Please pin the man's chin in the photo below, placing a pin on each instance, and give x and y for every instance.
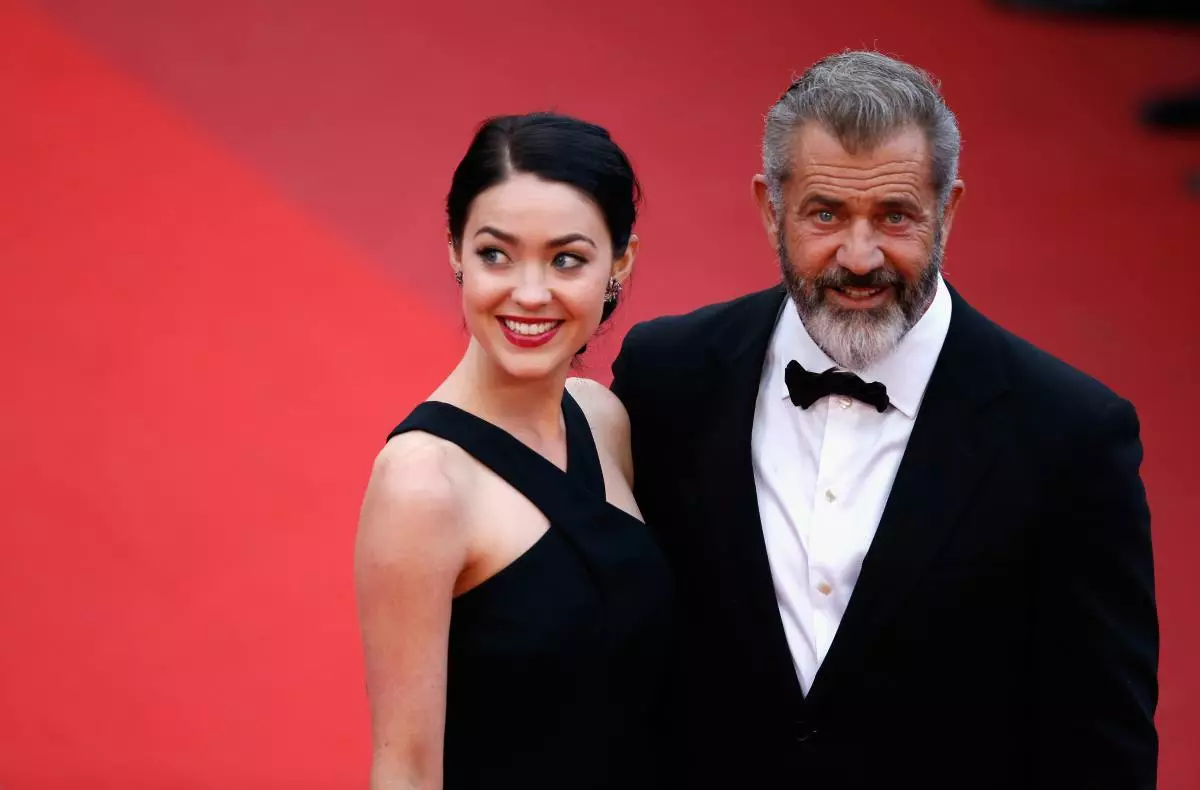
(862, 318)
(855, 339)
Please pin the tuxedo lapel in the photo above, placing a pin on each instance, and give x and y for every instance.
(950, 447)
(725, 480)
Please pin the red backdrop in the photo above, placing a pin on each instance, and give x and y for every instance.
(224, 280)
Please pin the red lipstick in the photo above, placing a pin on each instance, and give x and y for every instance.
(524, 340)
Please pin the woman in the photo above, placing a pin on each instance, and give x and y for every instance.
(516, 615)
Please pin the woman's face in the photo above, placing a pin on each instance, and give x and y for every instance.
(536, 259)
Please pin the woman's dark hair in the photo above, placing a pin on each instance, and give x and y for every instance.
(555, 148)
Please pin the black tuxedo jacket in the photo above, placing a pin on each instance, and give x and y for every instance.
(1003, 632)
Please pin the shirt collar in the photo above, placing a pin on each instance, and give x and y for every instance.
(905, 371)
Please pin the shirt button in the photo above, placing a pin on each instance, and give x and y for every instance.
(829, 495)
(845, 402)
(824, 588)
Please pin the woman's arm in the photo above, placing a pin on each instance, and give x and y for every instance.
(409, 551)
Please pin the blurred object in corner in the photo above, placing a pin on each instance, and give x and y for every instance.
(1174, 111)
(1141, 10)
(1169, 111)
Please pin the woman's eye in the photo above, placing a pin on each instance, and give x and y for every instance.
(566, 260)
(490, 255)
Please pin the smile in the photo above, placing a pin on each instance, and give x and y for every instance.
(528, 333)
(860, 293)
(528, 328)
(859, 298)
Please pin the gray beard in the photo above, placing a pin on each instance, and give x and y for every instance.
(855, 339)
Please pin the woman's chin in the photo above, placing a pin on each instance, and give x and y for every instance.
(532, 364)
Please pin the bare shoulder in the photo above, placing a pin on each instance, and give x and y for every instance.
(604, 409)
(415, 469)
(608, 419)
(412, 500)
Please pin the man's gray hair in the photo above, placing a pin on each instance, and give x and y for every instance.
(862, 98)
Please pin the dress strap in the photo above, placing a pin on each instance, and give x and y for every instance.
(558, 495)
(583, 460)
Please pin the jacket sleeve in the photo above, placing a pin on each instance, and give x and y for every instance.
(631, 386)
(1098, 624)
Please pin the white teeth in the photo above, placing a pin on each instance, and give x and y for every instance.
(522, 328)
(860, 293)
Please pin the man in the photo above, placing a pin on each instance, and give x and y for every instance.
(912, 549)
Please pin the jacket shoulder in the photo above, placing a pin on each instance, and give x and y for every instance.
(670, 337)
(1060, 395)
(1061, 387)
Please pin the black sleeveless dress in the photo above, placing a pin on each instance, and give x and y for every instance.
(558, 663)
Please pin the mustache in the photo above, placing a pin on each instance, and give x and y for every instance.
(844, 278)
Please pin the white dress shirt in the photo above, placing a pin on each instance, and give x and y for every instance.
(824, 473)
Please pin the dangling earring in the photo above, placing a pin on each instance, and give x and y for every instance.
(458, 277)
(613, 291)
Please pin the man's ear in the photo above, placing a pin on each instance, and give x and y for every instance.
(766, 208)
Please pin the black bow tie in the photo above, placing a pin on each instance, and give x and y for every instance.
(807, 388)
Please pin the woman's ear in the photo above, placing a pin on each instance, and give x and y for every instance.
(623, 267)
